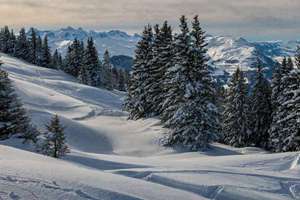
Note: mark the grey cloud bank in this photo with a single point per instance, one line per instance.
(267, 19)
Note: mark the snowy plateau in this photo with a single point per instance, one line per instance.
(112, 158)
(226, 52)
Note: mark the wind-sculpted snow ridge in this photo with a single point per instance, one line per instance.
(113, 158)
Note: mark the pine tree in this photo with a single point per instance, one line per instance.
(55, 60)
(121, 84)
(279, 83)
(74, 58)
(260, 109)
(137, 101)
(161, 61)
(55, 142)
(46, 54)
(13, 118)
(22, 46)
(90, 71)
(106, 78)
(39, 51)
(236, 122)
(32, 47)
(194, 119)
(6, 43)
(285, 129)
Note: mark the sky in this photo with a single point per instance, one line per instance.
(252, 19)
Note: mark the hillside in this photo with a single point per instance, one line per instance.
(112, 158)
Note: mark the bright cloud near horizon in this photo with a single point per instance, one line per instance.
(256, 20)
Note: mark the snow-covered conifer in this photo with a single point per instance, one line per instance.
(106, 72)
(55, 141)
(193, 115)
(22, 46)
(46, 54)
(90, 71)
(236, 122)
(13, 118)
(32, 47)
(137, 100)
(260, 109)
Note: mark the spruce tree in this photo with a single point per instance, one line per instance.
(284, 132)
(13, 118)
(236, 122)
(136, 102)
(106, 73)
(55, 142)
(90, 71)
(260, 109)
(55, 60)
(194, 120)
(39, 51)
(161, 61)
(22, 46)
(46, 54)
(32, 47)
(279, 83)
(121, 84)
(74, 58)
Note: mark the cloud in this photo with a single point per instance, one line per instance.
(234, 17)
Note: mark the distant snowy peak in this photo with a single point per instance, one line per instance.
(227, 52)
(117, 42)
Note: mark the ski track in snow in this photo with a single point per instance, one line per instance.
(113, 158)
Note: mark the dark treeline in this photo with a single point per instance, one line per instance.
(171, 80)
(81, 61)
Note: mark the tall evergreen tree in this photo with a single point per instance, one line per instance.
(90, 71)
(106, 79)
(13, 118)
(162, 60)
(55, 143)
(32, 47)
(22, 46)
(285, 129)
(260, 109)
(236, 122)
(39, 51)
(137, 100)
(46, 54)
(55, 60)
(121, 84)
(279, 83)
(74, 58)
(194, 122)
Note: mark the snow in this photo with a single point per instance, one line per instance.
(113, 158)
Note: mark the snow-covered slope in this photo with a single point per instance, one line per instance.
(113, 158)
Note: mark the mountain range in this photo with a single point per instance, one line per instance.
(226, 52)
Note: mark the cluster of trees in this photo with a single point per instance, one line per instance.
(80, 61)
(32, 49)
(269, 115)
(171, 80)
(14, 122)
(83, 62)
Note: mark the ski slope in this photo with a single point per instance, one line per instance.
(115, 159)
